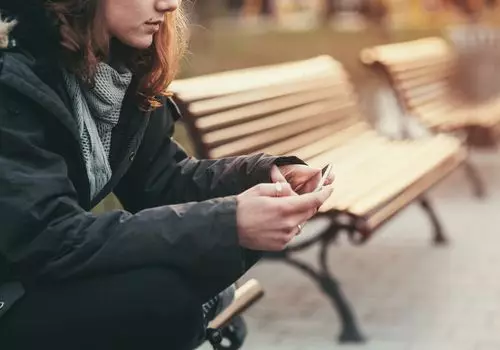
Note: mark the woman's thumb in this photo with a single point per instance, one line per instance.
(276, 175)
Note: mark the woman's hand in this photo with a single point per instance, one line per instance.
(269, 215)
(302, 178)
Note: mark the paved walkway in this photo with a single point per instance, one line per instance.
(408, 295)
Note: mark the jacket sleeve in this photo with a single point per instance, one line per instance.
(162, 172)
(46, 235)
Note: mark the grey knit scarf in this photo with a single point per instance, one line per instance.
(97, 111)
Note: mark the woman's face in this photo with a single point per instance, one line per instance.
(135, 22)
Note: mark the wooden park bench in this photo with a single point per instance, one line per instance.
(309, 109)
(422, 73)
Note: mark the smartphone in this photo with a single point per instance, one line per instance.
(325, 173)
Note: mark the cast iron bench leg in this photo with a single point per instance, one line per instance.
(472, 174)
(439, 236)
(325, 280)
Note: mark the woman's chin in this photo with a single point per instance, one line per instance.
(140, 43)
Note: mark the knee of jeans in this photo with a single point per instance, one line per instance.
(166, 295)
(183, 312)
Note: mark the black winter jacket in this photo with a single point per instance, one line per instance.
(179, 212)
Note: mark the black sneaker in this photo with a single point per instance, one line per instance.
(231, 336)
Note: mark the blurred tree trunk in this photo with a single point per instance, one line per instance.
(252, 8)
(471, 9)
(376, 12)
(206, 11)
(235, 5)
(329, 7)
(268, 8)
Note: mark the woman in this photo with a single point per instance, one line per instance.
(83, 114)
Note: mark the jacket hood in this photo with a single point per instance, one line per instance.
(29, 44)
(27, 24)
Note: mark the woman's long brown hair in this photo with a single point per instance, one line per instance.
(85, 43)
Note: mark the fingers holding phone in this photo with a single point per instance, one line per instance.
(302, 178)
(322, 178)
(268, 222)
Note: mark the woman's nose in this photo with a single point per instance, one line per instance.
(167, 5)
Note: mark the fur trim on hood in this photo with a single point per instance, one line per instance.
(28, 24)
(6, 27)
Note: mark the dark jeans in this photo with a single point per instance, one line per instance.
(142, 309)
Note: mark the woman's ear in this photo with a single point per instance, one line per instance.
(5, 28)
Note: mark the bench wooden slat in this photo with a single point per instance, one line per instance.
(271, 136)
(231, 82)
(253, 111)
(422, 161)
(359, 184)
(318, 157)
(323, 108)
(310, 144)
(419, 65)
(413, 191)
(397, 169)
(435, 91)
(437, 107)
(432, 72)
(424, 79)
(198, 109)
(425, 49)
(356, 143)
(424, 100)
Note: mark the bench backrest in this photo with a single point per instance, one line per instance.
(274, 109)
(421, 71)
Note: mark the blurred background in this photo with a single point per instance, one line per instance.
(406, 294)
(233, 34)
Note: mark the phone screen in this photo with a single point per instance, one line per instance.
(325, 173)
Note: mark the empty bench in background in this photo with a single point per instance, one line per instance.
(309, 109)
(423, 74)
